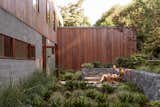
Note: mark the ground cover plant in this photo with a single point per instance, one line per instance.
(47, 91)
(140, 62)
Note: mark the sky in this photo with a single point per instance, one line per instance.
(95, 8)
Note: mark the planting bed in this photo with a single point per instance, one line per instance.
(43, 91)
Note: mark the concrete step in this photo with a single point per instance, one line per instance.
(92, 82)
(92, 78)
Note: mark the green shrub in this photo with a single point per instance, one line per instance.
(92, 93)
(108, 65)
(77, 75)
(125, 96)
(106, 88)
(128, 87)
(12, 97)
(57, 87)
(132, 97)
(98, 64)
(80, 101)
(101, 98)
(38, 89)
(87, 65)
(132, 62)
(154, 103)
(149, 68)
(67, 76)
(38, 79)
(111, 97)
(77, 93)
(96, 95)
(36, 100)
(67, 94)
(123, 104)
(56, 100)
(73, 84)
(139, 98)
(105, 104)
(70, 75)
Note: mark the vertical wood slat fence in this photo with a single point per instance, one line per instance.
(78, 45)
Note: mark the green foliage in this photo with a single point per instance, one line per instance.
(143, 17)
(133, 61)
(87, 65)
(106, 19)
(123, 104)
(154, 103)
(67, 94)
(98, 64)
(43, 91)
(92, 93)
(36, 100)
(70, 75)
(152, 46)
(127, 87)
(12, 97)
(101, 98)
(126, 96)
(71, 85)
(139, 98)
(79, 101)
(73, 15)
(106, 88)
(34, 91)
(56, 100)
(78, 92)
(149, 68)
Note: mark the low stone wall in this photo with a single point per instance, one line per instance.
(149, 83)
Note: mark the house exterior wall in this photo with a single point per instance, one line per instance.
(24, 11)
(12, 68)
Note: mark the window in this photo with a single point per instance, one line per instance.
(13, 48)
(36, 5)
(8, 47)
(21, 50)
(1, 45)
(53, 50)
(32, 53)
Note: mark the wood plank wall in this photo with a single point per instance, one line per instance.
(23, 10)
(80, 45)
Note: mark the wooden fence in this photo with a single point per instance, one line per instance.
(78, 45)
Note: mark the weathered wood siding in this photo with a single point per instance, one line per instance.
(23, 10)
(105, 44)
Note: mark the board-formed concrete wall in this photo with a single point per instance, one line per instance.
(15, 69)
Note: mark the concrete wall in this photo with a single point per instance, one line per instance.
(50, 57)
(149, 83)
(16, 69)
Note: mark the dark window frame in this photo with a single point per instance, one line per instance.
(3, 44)
(13, 46)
